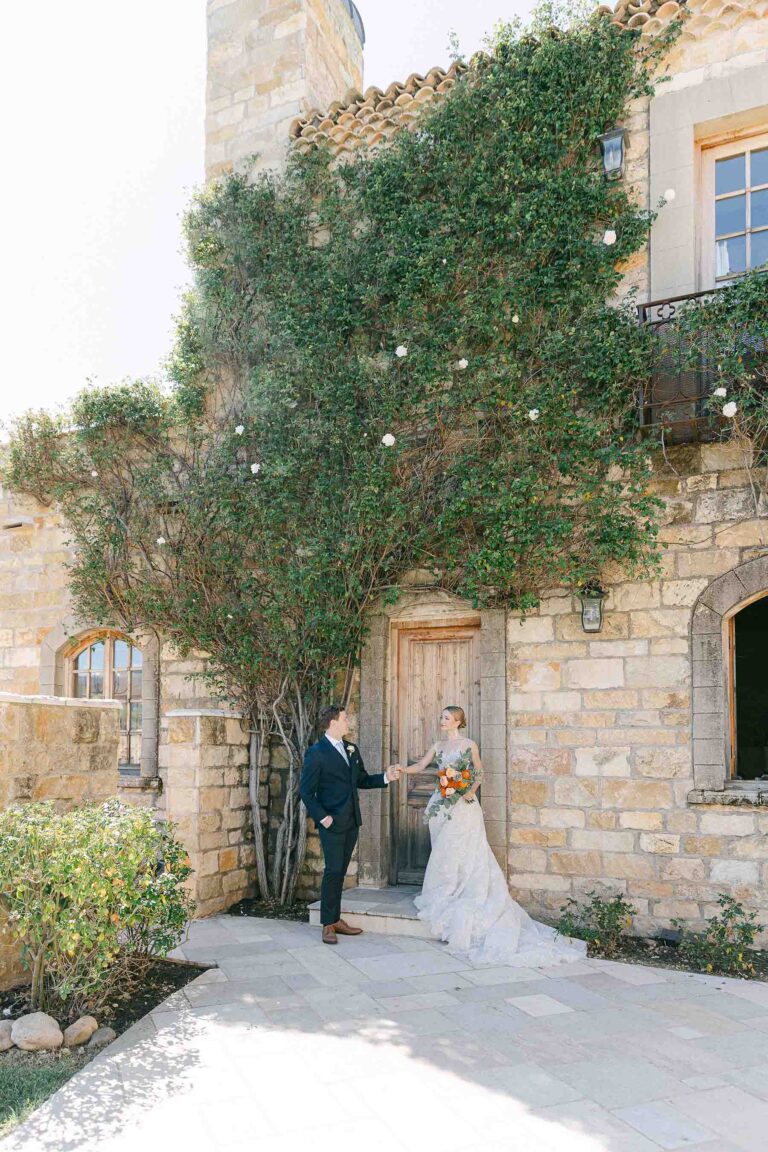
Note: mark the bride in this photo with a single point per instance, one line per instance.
(465, 900)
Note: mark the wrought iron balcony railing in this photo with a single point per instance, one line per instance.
(675, 396)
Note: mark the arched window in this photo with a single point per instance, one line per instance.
(110, 667)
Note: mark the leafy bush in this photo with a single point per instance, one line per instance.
(85, 891)
(601, 922)
(723, 946)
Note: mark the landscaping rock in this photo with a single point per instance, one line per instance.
(36, 1031)
(80, 1032)
(102, 1037)
(5, 1035)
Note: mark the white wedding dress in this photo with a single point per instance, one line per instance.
(465, 899)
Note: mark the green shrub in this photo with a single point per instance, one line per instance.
(601, 922)
(85, 891)
(723, 946)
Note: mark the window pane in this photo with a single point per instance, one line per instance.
(81, 685)
(729, 174)
(97, 686)
(81, 660)
(135, 685)
(759, 167)
(123, 717)
(135, 717)
(122, 646)
(759, 249)
(125, 745)
(730, 215)
(759, 209)
(120, 684)
(97, 655)
(136, 658)
(731, 256)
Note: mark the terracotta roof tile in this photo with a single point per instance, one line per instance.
(370, 118)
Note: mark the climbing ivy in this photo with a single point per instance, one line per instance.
(406, 361)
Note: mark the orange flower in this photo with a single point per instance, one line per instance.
(465, 775)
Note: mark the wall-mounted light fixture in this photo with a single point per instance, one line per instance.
(613, 146)
(592, 598)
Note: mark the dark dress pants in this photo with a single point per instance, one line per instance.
(338, 847)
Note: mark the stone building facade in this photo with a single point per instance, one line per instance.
(613, 758)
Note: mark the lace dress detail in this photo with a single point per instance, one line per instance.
(465, 899)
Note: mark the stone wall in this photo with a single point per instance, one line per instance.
(269, 61)
(204, 769)
(600, 730)
(59, 750)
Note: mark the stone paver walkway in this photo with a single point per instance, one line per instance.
(390, 1043)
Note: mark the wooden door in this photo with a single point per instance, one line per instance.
(434, 667)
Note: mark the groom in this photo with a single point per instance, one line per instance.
(330, 777)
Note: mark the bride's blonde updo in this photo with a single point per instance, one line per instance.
(457, 713)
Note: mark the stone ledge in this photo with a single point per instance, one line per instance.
(141, 783)
(730, 797)
(225, 712)
(58, 701)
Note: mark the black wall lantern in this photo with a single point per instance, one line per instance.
(613, 147)
(592, 598)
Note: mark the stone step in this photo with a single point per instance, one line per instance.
(388, 910)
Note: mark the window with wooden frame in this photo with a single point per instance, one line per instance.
(734, 210)
(109, 666)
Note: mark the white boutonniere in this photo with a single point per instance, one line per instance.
(350, 748)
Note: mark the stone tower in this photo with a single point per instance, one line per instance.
(268, 62)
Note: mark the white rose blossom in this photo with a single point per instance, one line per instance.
(721, 393)
(533, 414)
(401, 351)
(388, 440)
(94, 474)
(462, 364)
(670, 194)
(255, 468)
(161, 540)
(240, 429)
(609, 237)
(515, 319)
(730, 409)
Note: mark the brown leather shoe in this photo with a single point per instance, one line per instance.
(345, 929)
(329, 934)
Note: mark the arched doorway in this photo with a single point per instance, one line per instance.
(748, 643)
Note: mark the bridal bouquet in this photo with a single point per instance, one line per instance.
(453, 781)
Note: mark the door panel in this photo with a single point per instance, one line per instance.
(435, 667)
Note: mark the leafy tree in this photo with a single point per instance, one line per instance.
(406, 361)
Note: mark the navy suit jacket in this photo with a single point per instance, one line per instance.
(329, 785)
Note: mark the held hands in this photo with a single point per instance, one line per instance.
(393, 773)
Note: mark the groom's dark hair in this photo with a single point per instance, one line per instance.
(330, 712)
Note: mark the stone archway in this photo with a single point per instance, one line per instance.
(710, 692)
(53, 652)
(421, 607)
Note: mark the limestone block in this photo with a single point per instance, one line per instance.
(728, 823)
(663, 763)
(666, 622)
(628, 866)
(540, 762)
(738, 873)
(562, 818)
(539, 677)
(636, 794)
(662, 844)
(527, 860)
(533, 792)
(631, 597)
(581, 793)
(531, 630)
(181, 729)
(599, 819)
(601, 840)
(676, 910)
(576, 863)
(522, 882)
(644, 821)
(539, 837)
(657, 671)
(704, 845)
(602, 761)
(681, 593)
(594, 673)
